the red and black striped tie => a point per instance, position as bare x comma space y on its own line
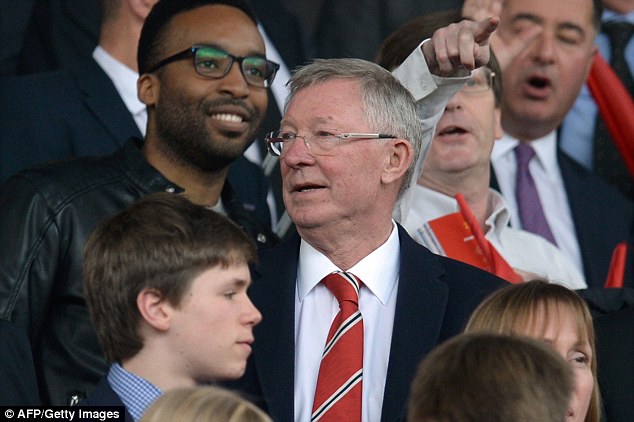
339, 384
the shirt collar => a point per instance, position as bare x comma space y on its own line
499, 217
123, 78
378, 271
136, 393
611, 15
545, 149
429, 204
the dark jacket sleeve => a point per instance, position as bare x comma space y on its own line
31, 254
18, 385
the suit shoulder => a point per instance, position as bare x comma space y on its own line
459, 273
573, 172
455, 274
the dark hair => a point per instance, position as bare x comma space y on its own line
400, 43
153, 34
597, 13
478, 377
162, 242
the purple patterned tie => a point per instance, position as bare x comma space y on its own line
528, 203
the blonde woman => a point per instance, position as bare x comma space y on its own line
203, 404
559, 317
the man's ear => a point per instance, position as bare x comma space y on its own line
141, 8
399, 159
595, 50
154, 308
497, 116
148, 89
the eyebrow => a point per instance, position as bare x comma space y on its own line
314, 121
239, 282
527, 17
537, 20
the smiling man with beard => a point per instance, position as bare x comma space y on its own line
203, 78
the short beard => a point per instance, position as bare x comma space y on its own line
185, 139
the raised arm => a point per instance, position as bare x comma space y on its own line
460, 46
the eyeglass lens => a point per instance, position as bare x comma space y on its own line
216, 63
479, 81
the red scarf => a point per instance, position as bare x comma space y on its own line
615, 106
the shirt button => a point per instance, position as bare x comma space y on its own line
261, 238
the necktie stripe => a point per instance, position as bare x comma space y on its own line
337, 395
345, 327
353, 281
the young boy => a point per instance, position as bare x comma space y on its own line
165, 283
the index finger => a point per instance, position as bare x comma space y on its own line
485, 28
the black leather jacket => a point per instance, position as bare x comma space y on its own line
46, 215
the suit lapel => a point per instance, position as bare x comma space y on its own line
99, 95
420, 309
582, 210
274, 295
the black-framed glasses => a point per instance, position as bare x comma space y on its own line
319, 144
214, 63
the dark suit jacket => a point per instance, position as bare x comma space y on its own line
602, 218
104, 395
615, 351
435, 298
18, 385
65, 113
367, 23
77, 111
59, 32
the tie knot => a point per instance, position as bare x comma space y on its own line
524, 154
344, 286
619, 33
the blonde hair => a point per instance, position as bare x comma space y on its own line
204, 404
519, 308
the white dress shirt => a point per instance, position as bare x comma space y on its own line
124, 80
521, 249
316, 308
550, 187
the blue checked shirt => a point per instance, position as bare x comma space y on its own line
136, 393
